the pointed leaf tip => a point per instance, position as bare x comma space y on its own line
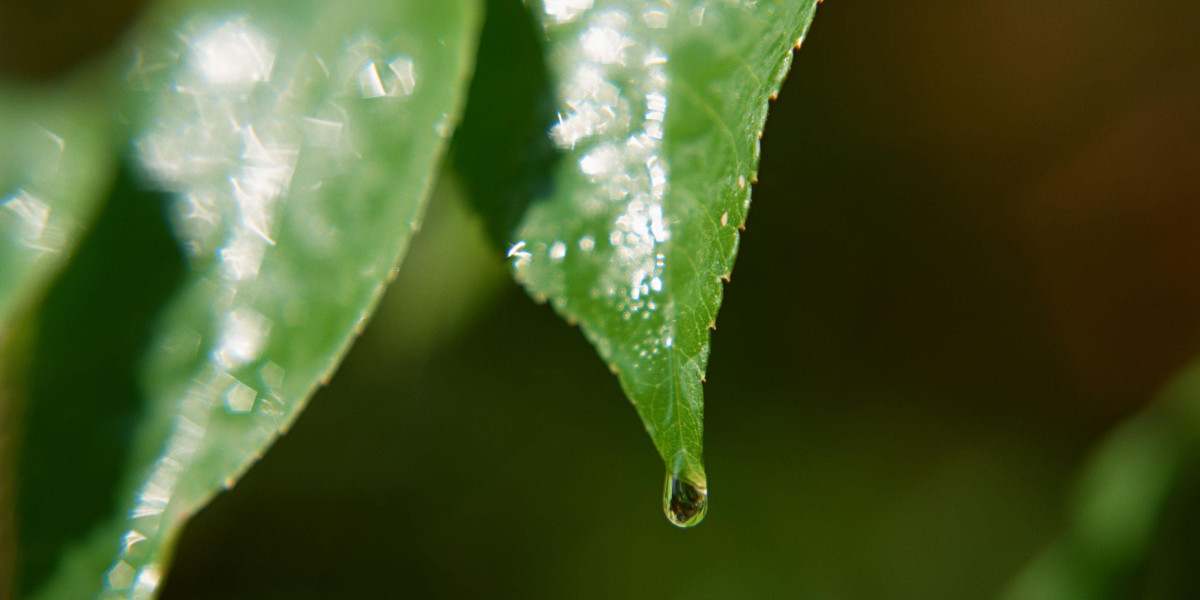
660, 107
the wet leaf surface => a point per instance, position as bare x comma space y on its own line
281, 152
660, 107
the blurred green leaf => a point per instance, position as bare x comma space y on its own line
55, 165
1120, 501
56, 162
660, 106
84, 401
290, 146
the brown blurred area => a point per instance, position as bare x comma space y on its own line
44, 39
1064, 135
1114, 236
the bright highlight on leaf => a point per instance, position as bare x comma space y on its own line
660, 108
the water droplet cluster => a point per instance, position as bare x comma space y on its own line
613, 110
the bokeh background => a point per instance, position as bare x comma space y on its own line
973, 255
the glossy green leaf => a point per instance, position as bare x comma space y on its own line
288, 147
660, 108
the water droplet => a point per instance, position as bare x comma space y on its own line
684, 502
145, 584
128, 540
444, 126
271, 375
656, 18
604, 45
406, 74
520, 255
33, 214
322, 133
235, 54
120, 576
240, 398
565, 10
243, 337
558, 251
369, 83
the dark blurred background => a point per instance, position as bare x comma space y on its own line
974, 252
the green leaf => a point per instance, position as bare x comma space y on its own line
660, 108
55, 165
1124, 490
82, 384
291, 145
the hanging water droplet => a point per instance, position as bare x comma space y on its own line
684, 502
